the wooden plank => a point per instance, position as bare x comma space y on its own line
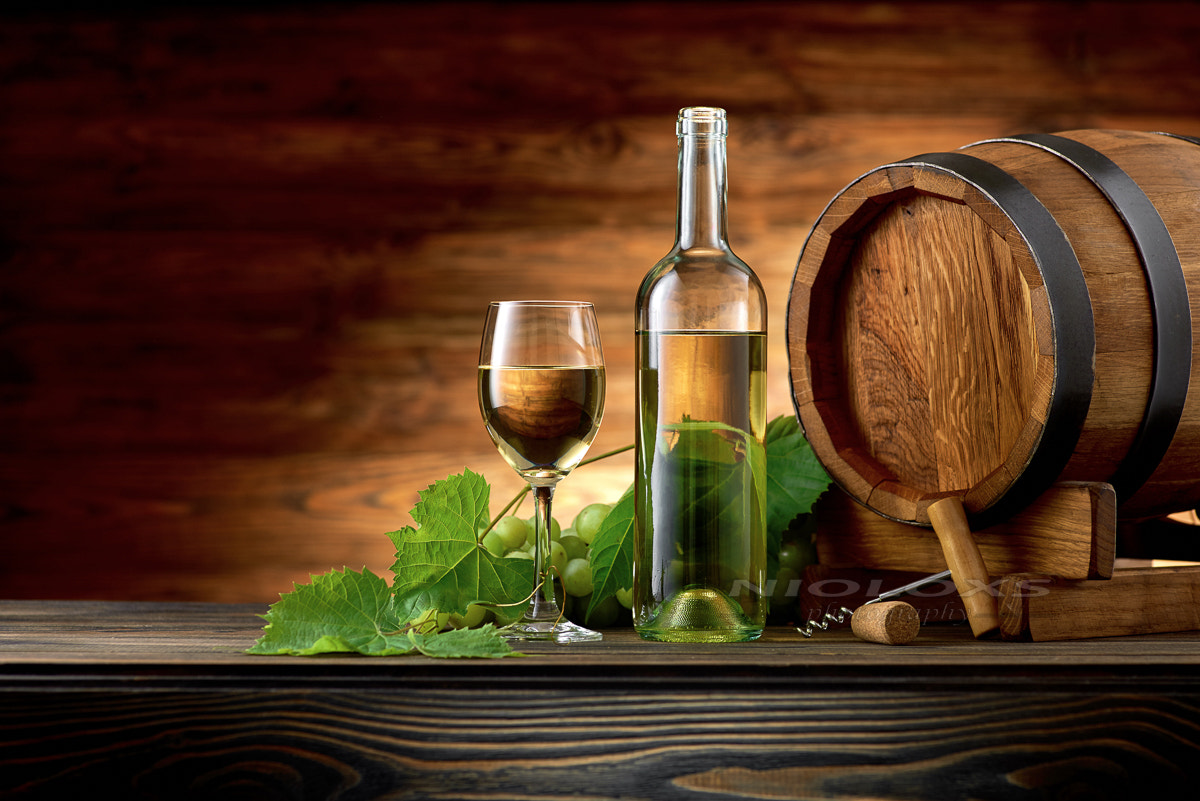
1134, 601
235, 529
585, 742
1070, 530
499, 57
298, 175
109, 699
98, 642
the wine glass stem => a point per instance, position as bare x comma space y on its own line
543, 602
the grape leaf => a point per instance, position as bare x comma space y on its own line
723, 465
350, 612
795, 478
611, 554
440, 564
484, 642
341, 611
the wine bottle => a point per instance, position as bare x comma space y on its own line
700, 480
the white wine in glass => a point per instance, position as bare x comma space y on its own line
541, 393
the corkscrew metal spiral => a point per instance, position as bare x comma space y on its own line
829, 618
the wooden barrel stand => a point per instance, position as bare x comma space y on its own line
992, 324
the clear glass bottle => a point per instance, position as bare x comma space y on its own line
700, 484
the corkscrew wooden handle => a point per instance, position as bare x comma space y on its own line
966, 565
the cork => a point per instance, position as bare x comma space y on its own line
887, 622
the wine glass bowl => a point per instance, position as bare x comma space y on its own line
541, 394
542, 419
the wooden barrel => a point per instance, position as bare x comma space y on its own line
986, 322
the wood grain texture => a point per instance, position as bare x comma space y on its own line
588, 743
932, 369
967, 567
1071, 530
245, 249
157, 701
1142, 600
98, 644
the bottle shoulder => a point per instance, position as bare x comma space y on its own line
708, 290
700, 269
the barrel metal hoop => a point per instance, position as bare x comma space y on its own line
1168, 302
1071, 321
1193, 139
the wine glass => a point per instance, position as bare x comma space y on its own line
541, 392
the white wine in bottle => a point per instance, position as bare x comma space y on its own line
700, 482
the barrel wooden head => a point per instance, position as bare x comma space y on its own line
986, 322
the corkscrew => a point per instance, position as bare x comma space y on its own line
886, 621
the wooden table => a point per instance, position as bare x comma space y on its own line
131, 701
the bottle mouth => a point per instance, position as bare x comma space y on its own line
701, 121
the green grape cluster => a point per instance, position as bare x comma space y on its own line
570, 561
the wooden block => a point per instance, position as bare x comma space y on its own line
1070, 531
1134, 601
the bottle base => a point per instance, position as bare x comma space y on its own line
699, 614
699, 635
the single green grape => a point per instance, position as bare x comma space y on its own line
493, 543
505, 615
589, 520
625, 597
519, 553
558, 557
555, 530
604, 615
430, 621
797, 554
512, 531
475, 616
577, 577
574, 545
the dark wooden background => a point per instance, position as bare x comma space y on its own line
245, 249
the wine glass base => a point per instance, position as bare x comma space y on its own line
563, 631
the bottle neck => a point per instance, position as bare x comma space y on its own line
702, 219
